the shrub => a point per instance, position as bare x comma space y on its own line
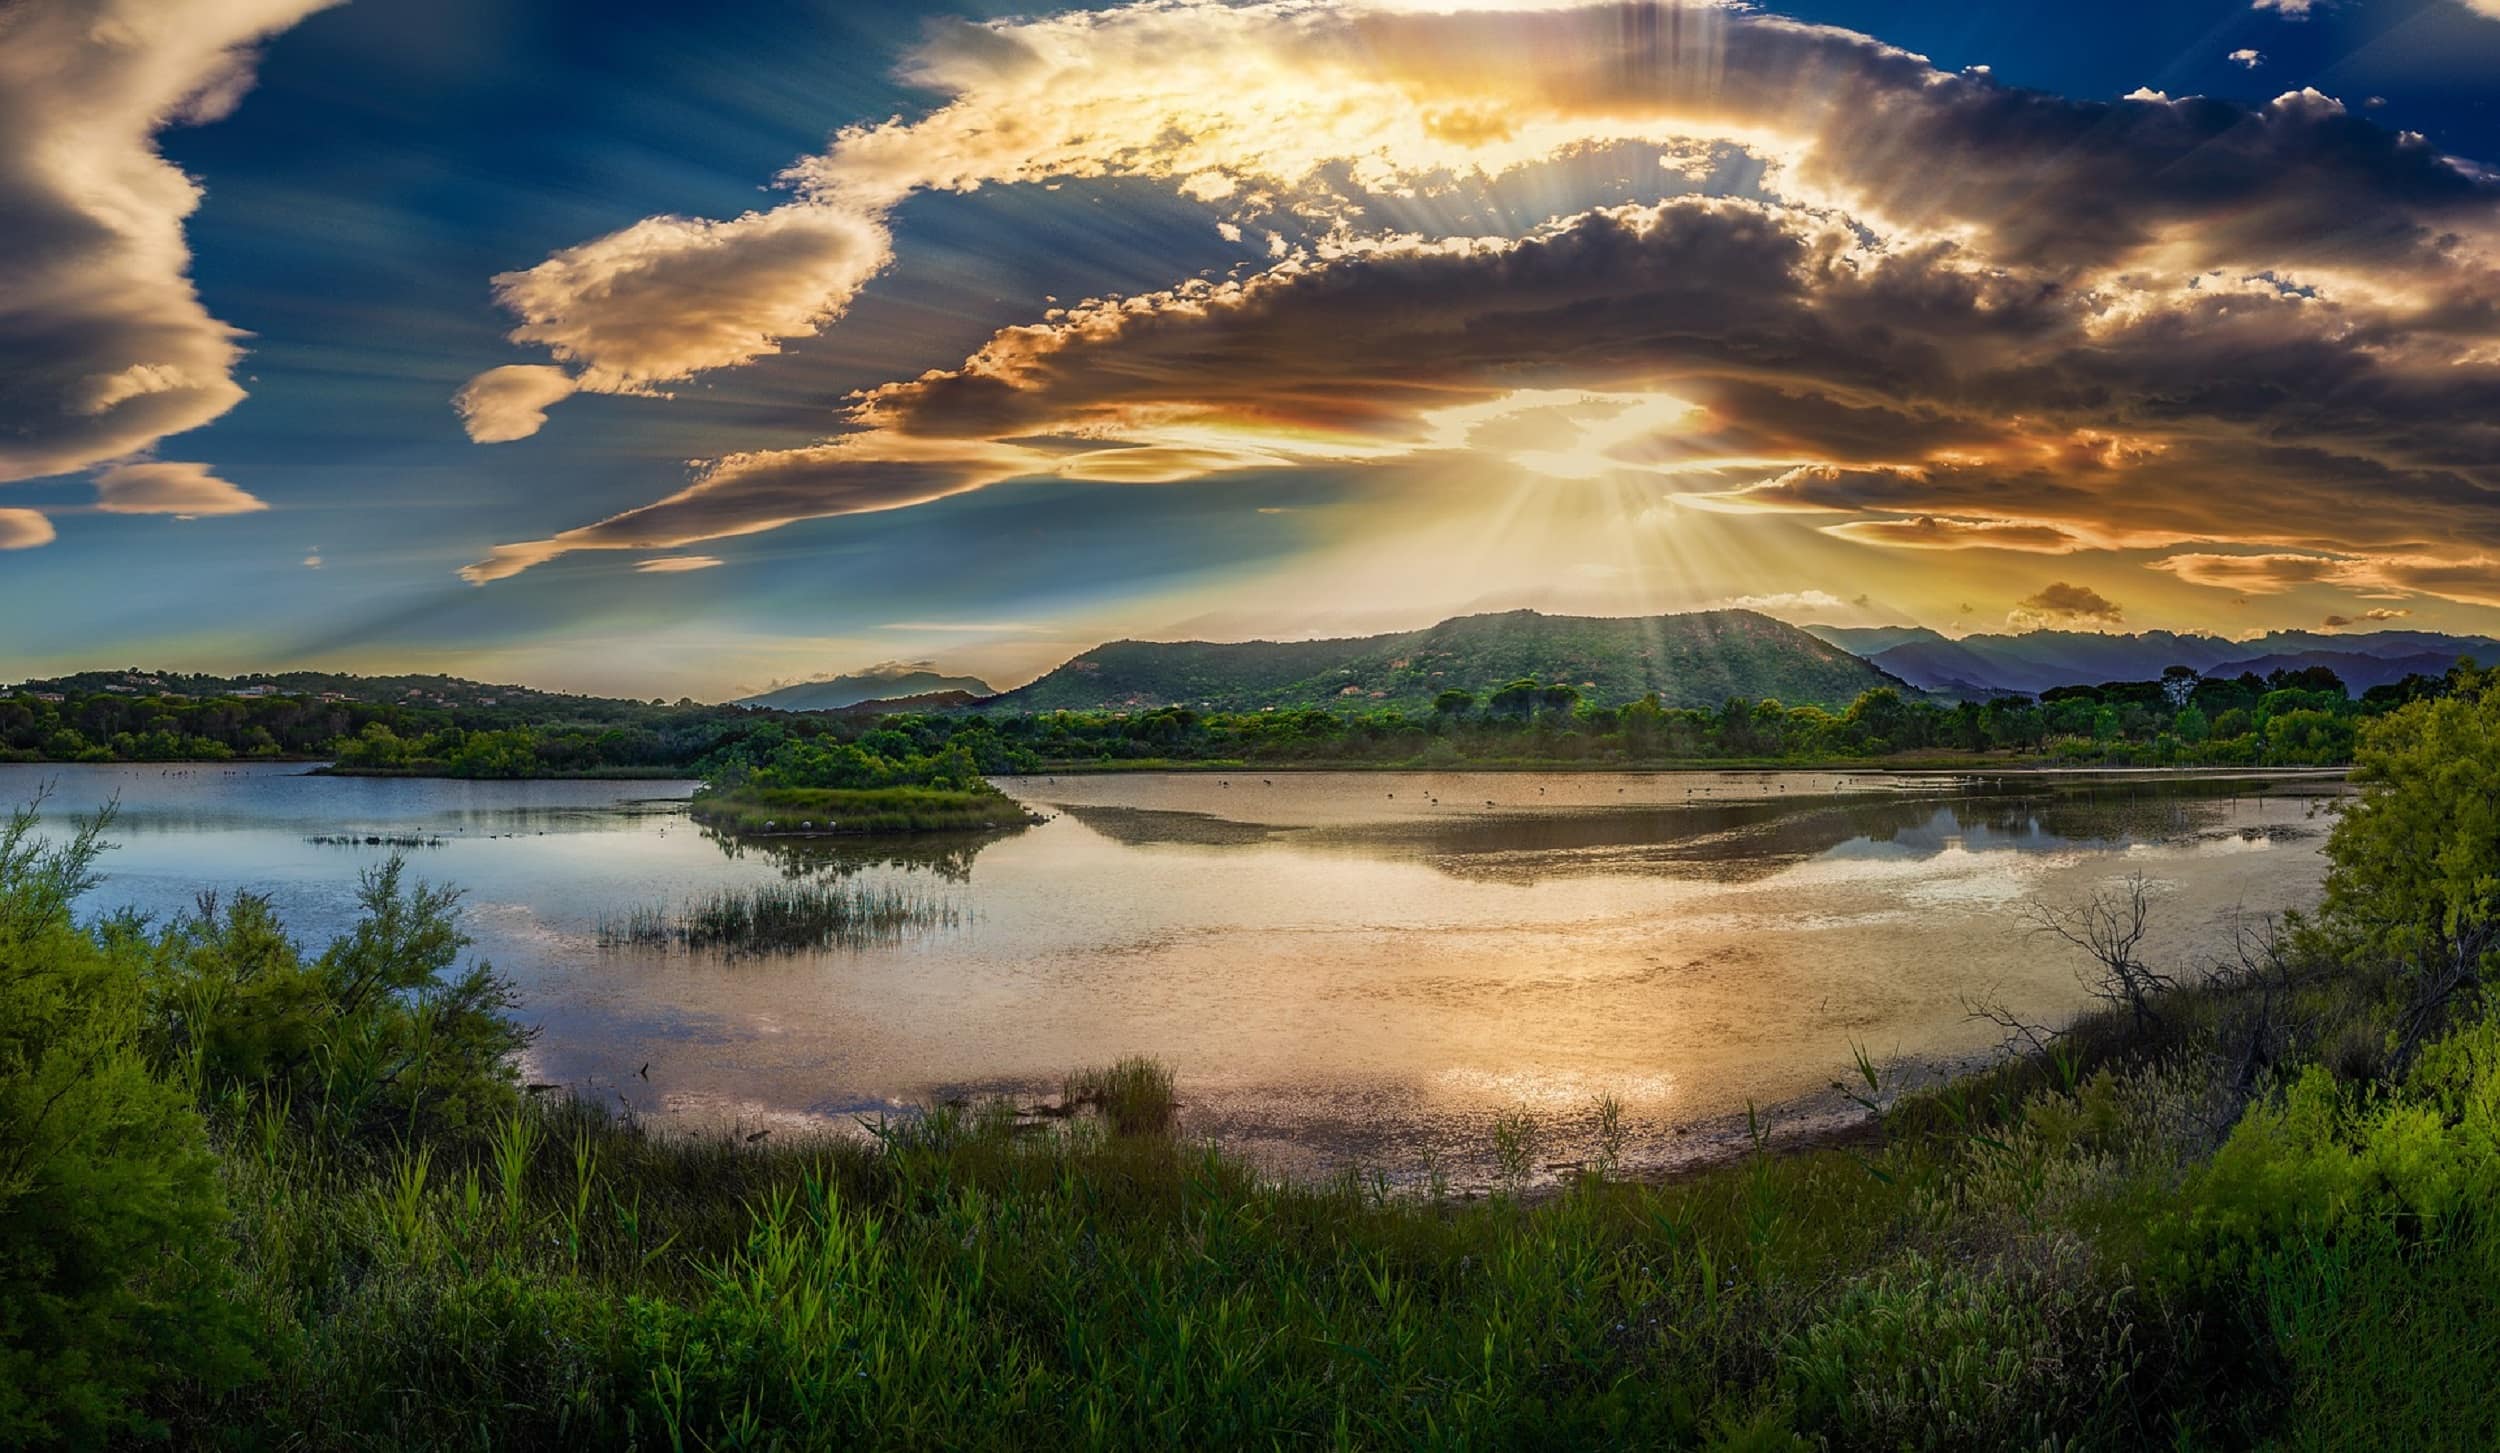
113, 1261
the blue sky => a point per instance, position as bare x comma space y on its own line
390, 160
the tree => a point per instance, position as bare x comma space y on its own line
2178, 683
2413, 874
2110, 926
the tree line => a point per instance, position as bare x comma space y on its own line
2290, 718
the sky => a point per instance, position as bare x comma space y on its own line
667, 350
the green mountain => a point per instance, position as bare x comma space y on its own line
1689, 660
877, 683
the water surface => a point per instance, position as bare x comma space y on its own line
1345, 967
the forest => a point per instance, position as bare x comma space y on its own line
2292, 718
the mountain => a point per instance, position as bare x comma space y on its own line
877, 683
927, 701
2034, 661
1689, 660
2359, 672
1867, 640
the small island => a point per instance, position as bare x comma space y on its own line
772, 785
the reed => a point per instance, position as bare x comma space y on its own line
782, 917
1135, 1096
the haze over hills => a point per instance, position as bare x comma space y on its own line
2034, 661
887, 682
1699, 659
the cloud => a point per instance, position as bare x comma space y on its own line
744, 494
1291, 109
677, 564
168, 487
2249, 59
2263, 574
312, 561
24, 530
109, 348
511, 402
2288, 9
668, 298
2334, 623
1789, 600
1934, 532
2384, 613
1958, 315
2062, 603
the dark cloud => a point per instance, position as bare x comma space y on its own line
104, 345
1969, 316
2061, 601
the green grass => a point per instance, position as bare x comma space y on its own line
781, 917
1136, 1096
858, 810
2049, 1255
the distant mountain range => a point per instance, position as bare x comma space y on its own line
2034, 661
885, 684
1699, 659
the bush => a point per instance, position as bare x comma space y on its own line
113, 1259
382, 1037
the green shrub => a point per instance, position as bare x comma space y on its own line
1933, 1356
113, 1260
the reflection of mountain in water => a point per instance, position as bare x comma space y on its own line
1745, 841
947, 856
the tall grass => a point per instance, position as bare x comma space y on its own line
1136, 1096
782, 917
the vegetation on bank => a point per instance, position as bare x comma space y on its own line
252, 1197
2290, 718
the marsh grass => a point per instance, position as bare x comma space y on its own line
374, 840
1136, 1096
782, 917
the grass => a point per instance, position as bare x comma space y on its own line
2053, 1254
858, 810
1136, 1096
782, 917
955, 1280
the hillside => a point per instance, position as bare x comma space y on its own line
2034, 661
877, 683
1696, 660
422, 690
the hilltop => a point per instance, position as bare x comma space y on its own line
894, 682
1695, 660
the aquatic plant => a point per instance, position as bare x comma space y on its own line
373, 840
781, 917
1136, 1096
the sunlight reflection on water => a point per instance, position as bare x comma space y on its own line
1342, 966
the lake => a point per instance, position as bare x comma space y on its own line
1345, 968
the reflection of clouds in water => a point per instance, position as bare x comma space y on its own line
1381, 980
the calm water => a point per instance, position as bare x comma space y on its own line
1357, 967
